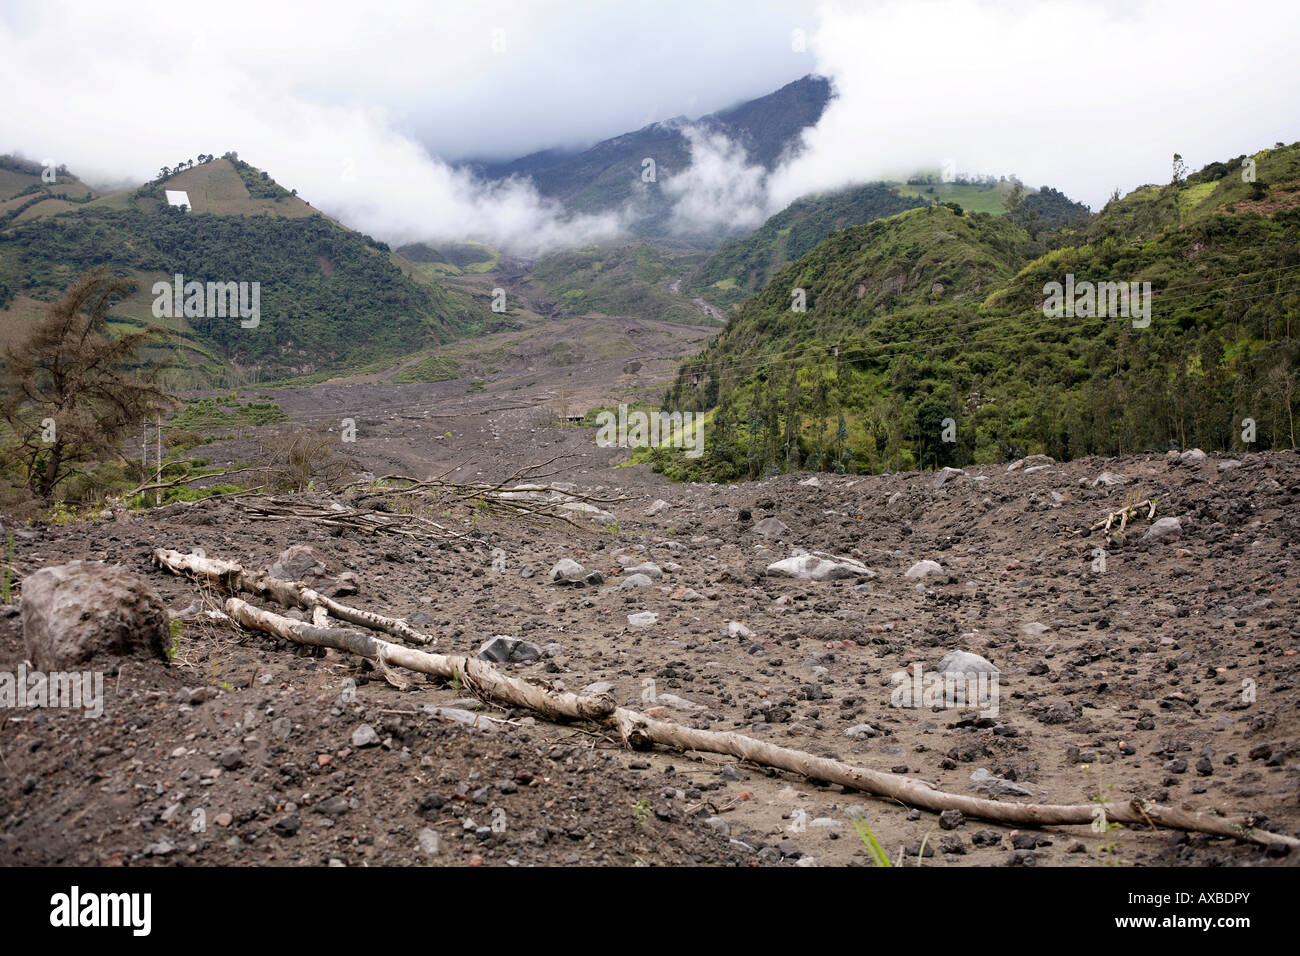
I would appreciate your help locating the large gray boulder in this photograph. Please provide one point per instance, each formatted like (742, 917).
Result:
(566, 571)
(771, 528)
(819, 567)
(1164, 529)
(506, 650)
(962, 663)
(78, 612)
(923, 569)
(302, 562)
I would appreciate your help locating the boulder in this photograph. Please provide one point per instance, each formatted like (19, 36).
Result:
(923, 569)
(1109, 478)
(819, 567)
(964, 662)
(568, 571)
(1032, 461)
(1163, 529)
(77, 612)
(509, 650)
(943, 477)
(771, 527)
(302, 562)
(590, 510)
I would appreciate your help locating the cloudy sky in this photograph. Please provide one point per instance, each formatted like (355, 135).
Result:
(362, 108)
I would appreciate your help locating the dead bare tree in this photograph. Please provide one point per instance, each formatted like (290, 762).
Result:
(308, 458)
(70, 394)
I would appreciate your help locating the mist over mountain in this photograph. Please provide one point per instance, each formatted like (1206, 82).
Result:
(687, 158)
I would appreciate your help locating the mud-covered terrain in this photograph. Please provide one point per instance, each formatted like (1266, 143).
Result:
(1164, 668)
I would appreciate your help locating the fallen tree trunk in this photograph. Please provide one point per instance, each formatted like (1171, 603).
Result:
(235, 578)
(641, 732)
(478, 677)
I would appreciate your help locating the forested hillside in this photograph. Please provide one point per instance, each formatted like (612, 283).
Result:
(329, 297)
(936, 316)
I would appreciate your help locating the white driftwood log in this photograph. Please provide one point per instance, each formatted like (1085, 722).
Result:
(641, 732)
(235, 578)
(479, 677)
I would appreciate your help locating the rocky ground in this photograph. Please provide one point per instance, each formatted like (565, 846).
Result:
(1160, 663)
(1170, 674)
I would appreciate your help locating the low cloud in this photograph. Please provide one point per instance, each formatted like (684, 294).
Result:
(1083, 96)
(352, 111)
(721, 190)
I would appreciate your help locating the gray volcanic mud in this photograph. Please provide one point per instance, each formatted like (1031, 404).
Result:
(1157, 664)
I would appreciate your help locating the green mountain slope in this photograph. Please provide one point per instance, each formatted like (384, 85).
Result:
(623, 280)
(330, 298)
(932, 322)
(742, 266)
(609, 174)
(29, 191)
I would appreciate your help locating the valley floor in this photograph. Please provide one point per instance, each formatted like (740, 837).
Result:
(1169, 674)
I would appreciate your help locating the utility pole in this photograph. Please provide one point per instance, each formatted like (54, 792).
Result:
(158, 480)
(144, 460)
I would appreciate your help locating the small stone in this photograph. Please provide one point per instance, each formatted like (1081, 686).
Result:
(862, 730)
(923, 569)
(429, 841)
(287, 825)
(364, 736)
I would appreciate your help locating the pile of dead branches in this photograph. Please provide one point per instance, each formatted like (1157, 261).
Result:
(338, 516)
(521, 495)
